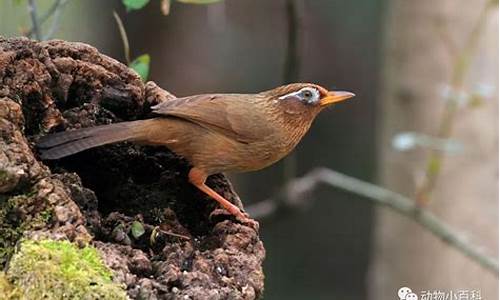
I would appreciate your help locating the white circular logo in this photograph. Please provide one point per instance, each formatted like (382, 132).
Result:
(403, 292)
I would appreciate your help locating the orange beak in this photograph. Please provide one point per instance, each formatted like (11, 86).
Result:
(334, 97)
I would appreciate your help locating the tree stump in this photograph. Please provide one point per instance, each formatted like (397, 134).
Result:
(157, 233)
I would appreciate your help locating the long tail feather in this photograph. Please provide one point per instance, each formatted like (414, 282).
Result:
(61, 144)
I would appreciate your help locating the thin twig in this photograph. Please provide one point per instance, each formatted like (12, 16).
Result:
(443, 32)
(291, 66)
(44, 17)
(177, 235)
(460, 68)
(34, 18)
(59, 5)
(291, 72)
(292, 195)
(123, 34)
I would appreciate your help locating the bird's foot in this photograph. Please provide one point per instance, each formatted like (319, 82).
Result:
(240, 216)
(245, 219)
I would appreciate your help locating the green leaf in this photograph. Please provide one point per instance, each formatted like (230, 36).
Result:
(198, 1)
(134, 4)
(137, 229)
(141, 66)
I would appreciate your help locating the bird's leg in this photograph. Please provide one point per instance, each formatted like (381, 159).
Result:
(197, 177)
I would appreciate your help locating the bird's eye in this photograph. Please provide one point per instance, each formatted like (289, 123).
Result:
(307, 94)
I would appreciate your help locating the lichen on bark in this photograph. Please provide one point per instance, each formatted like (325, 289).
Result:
(186, 249)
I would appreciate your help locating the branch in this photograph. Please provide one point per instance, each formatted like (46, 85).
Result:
(460, 68)
(34, 19)
(123, 35)
(292, 59)
(292, 196)
(58, 6)
(55, 6)
(291, 72)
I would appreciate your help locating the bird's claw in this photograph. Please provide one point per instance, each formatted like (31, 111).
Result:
(247, 220)
(240, 216)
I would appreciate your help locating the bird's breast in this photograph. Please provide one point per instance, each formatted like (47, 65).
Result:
(270, 149)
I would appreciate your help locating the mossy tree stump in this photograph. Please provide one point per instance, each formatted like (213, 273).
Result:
(158, 235)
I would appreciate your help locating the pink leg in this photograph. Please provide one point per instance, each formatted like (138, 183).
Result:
(197, 177)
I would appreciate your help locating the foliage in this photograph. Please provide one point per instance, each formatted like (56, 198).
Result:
(141, 66)
(137, 229)
(134, 4)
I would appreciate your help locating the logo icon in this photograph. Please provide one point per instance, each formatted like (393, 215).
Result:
(405, 293)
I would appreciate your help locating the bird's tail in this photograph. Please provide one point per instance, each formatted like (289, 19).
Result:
(61, 144)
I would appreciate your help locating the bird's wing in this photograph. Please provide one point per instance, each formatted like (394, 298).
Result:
(230, 114)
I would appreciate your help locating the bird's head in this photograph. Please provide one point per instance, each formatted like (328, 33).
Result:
(304, 98)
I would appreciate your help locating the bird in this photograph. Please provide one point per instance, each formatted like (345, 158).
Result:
(216, 133)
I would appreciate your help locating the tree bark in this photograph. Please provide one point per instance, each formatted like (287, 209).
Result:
(102, 196)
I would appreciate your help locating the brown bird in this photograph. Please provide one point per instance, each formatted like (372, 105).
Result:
(214, 132)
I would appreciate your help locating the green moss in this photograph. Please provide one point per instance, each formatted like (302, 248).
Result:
(7, 290)
(11, 227)
(45, 216)
(3, 175)
(13, 223)
(59, 270)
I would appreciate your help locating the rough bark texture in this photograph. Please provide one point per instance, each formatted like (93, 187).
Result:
(188, 251)
(418, 62)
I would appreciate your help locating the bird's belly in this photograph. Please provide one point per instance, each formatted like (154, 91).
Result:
(239, 157)
(214, 152)
(233, 157)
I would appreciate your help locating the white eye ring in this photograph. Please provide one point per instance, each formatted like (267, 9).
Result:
(310, 99)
